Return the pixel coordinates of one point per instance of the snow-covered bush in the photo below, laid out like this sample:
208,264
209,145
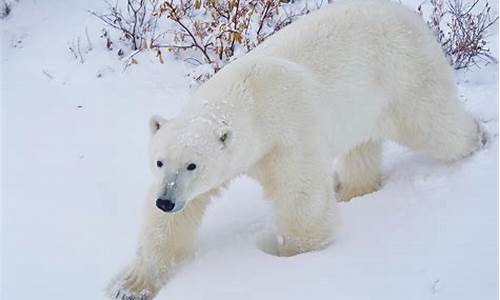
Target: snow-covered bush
136,22
211,33
77,48
206,33
462,30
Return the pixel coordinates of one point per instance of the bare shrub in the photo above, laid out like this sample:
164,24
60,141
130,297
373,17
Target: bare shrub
136,22
75,47
208,33
211,33
76,50
462,30
217,29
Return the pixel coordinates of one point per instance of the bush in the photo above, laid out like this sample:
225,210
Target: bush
220,31
137,24
211,33
206,33
462,30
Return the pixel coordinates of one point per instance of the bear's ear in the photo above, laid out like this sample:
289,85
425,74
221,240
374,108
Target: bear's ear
155,123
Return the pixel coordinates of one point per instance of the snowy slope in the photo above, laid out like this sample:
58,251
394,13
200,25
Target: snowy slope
75,173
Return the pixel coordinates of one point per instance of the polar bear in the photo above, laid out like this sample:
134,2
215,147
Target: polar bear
331,86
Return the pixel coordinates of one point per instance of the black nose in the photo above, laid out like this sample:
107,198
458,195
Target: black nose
165,204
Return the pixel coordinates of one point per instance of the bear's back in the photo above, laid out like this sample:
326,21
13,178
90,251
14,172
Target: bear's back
354,33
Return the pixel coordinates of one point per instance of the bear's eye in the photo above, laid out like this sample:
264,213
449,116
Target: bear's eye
159,163
191,167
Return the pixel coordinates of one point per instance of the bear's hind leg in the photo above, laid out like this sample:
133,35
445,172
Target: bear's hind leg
358,171
166,241
455,139
440,129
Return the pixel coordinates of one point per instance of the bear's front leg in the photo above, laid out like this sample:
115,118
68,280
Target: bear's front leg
166,240
303,199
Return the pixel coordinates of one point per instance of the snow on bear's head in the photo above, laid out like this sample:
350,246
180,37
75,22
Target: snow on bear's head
189,158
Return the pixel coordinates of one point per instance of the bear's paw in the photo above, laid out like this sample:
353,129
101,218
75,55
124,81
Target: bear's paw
278,245
131,285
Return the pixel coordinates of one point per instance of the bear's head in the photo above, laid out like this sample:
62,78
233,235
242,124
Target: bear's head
189,158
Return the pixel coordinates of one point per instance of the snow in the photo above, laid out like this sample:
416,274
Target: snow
75,173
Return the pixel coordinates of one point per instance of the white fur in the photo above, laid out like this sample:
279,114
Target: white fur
333,85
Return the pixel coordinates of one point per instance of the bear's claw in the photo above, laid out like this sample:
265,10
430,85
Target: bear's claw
144,295
124,294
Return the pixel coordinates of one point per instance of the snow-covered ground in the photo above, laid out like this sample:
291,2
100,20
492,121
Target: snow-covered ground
75,174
